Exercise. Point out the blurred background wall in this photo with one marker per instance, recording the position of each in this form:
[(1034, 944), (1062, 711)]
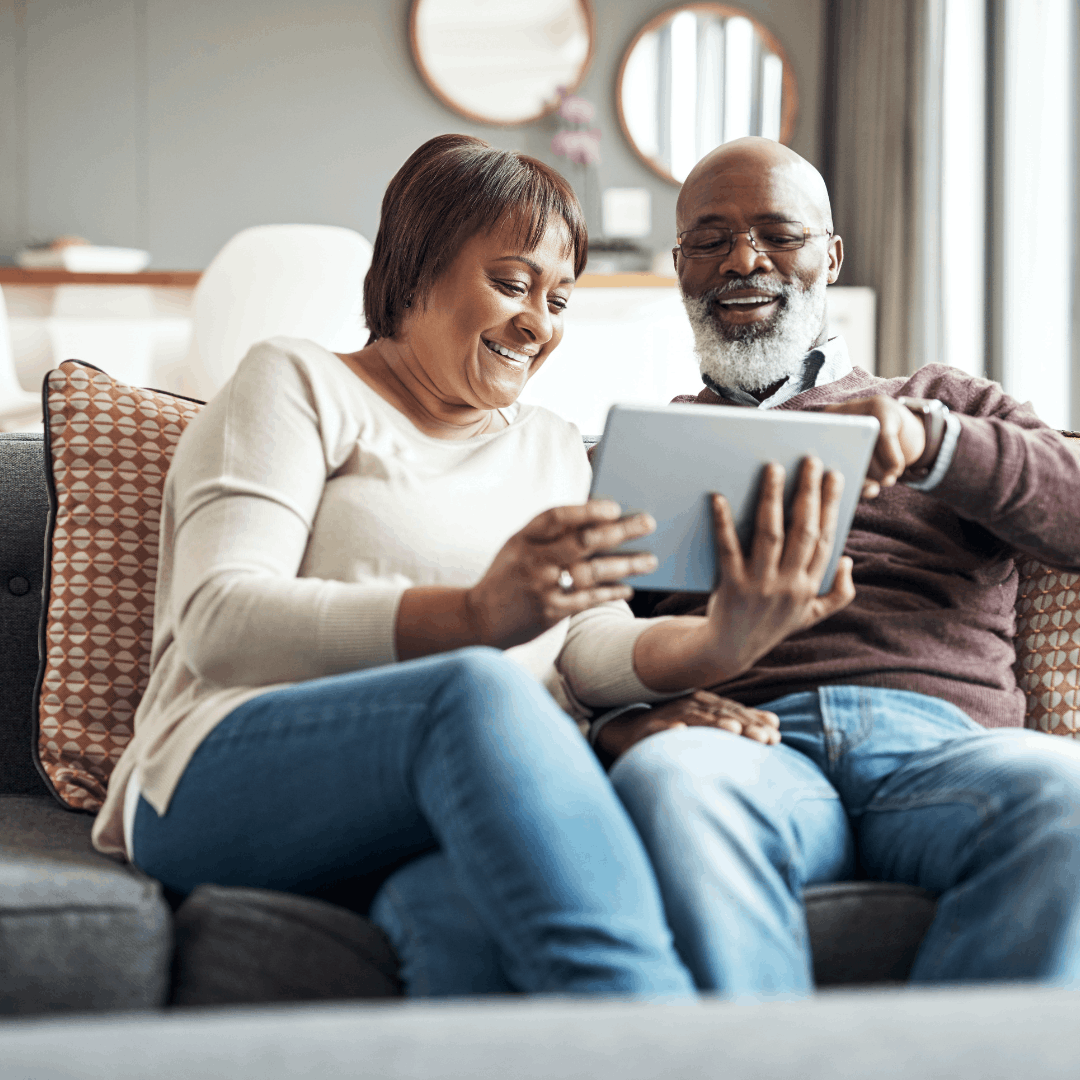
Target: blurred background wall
[(171, 124)]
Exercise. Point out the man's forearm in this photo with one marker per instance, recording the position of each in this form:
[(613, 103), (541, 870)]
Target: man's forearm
[(1020, 483), (681, 654)]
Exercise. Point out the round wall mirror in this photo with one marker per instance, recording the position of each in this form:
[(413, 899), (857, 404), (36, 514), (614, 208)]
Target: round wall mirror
[(698, 76), (501, 61)]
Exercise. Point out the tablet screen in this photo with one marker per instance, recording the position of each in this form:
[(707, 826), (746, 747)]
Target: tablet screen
[(668, 459)]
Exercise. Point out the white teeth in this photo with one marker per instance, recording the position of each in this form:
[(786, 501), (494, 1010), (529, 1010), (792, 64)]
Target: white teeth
[(748, 300), (502, 350)]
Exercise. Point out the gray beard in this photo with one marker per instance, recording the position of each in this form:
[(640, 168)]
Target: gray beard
[(756, 355)]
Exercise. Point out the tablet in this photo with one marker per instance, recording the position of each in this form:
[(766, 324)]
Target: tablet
[(668, 459)]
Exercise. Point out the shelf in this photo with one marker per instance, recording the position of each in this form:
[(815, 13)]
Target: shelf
[(14, 275), (636, 280)]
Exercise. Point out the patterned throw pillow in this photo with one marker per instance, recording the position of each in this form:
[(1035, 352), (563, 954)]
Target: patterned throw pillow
[(1048, 648), (1048, 644), (108, 448)]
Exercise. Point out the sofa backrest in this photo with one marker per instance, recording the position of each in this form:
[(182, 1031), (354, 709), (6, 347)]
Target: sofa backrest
[(24, 510)]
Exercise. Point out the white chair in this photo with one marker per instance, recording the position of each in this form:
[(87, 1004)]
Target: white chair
[(19, 408), (299, 280)]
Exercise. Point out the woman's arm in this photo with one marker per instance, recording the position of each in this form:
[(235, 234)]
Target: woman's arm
[(241, 497), (520, 596)]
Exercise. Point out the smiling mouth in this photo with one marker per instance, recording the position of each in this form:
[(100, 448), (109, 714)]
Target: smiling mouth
[(507, 353), (748, 303)]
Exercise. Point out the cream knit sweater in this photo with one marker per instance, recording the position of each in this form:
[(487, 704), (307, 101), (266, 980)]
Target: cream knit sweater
[(299, 507)]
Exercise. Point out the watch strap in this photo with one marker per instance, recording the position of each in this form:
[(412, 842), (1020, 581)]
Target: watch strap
[(933, 415)]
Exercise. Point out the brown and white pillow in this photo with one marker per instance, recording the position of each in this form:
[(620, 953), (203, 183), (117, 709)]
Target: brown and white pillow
[(1048, 643), (108, 448), (1048, 648)]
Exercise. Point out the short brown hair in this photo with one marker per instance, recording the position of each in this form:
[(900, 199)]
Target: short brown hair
[(451, 188)]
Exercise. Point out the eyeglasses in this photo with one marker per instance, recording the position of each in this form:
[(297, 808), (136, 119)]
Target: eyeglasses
[(713, 243)]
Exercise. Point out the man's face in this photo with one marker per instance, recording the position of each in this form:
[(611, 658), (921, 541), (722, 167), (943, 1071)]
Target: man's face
[(755, 314)]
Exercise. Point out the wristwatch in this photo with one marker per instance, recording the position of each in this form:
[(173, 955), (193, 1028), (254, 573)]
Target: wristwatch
[(932, 413)]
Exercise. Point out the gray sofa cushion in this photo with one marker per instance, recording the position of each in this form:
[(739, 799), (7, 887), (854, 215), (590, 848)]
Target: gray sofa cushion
[(865, 931), (243, 946), (24, 508), (78, 931)]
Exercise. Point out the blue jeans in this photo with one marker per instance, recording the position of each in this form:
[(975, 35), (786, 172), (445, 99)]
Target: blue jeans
[(893, 785), (343, 777)]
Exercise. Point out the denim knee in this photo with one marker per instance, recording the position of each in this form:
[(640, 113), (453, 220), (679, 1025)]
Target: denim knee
[(481, 686), (1035, 780), (683, 759), (481, 670)]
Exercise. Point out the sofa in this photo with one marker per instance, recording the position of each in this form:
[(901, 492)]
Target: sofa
[(80, 931)]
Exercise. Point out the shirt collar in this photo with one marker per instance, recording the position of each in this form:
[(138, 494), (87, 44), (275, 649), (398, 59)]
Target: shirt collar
[(823, 364)]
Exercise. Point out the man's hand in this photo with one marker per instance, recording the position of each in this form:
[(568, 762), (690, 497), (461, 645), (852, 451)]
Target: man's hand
[(901, 441), (700, 709), (763, 598)]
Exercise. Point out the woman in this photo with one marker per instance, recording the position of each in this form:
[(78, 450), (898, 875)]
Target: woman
[(339, 533)]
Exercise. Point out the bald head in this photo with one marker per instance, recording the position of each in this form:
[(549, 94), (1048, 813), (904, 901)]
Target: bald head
[(746, 170)]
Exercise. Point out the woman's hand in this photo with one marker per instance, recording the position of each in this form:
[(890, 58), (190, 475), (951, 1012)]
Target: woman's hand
[(762, 600), (520, 595), (700, 709)]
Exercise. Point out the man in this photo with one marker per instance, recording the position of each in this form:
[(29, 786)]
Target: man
[(881, 765), (885, 764)]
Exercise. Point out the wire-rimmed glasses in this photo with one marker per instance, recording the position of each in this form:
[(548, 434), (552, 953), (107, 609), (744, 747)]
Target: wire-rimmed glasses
[(712, 242)]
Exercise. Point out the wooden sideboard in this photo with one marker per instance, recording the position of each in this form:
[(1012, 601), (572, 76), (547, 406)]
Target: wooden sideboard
[(626, 338)]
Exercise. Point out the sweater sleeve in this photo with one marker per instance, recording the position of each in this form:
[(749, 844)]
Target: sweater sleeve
[(244, 489), (597, 659), (1010, 472)]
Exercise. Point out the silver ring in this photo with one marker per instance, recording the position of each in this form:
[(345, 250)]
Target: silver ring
[(566, 581)]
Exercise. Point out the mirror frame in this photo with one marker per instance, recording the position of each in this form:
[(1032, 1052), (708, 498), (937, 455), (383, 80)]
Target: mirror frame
[(789, 109), (429, 82)]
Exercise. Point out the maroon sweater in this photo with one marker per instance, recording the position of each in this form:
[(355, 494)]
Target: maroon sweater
[(934, 573)]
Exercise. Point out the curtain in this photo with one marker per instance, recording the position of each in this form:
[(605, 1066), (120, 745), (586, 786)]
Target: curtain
[(883, 166)]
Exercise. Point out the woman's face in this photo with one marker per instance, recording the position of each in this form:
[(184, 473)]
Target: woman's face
[(493, 317)]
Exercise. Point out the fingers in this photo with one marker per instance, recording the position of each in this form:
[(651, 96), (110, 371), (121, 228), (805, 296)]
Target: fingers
[(726, 707), (706, 709), (804, 532), (832, 488), (579, 542), (888, 462), (608, 569), (552, 524), (768, 540), (729, 554), (559, 605), (839, 596), (901, 439)]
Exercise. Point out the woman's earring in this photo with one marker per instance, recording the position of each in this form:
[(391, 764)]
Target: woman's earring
[(408, 300)]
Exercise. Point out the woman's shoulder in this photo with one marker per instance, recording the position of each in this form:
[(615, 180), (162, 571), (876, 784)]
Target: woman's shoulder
[(299, 373), (555, 445), (549, 424), (284, 357)]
